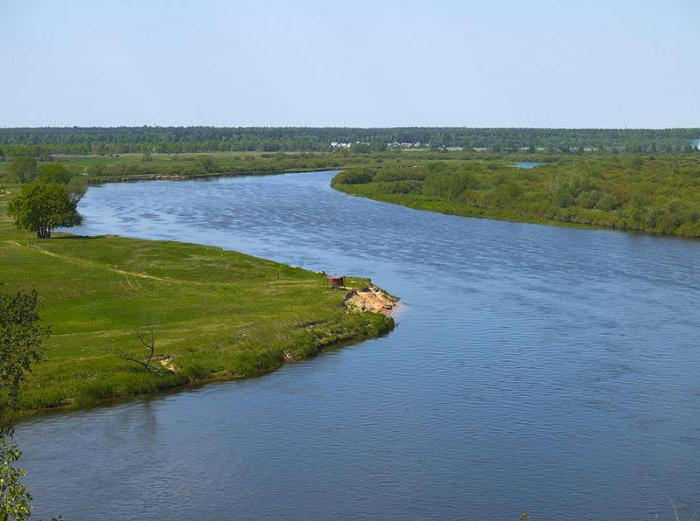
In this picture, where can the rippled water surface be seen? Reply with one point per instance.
(534, 368)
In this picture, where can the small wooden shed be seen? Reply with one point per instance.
(336, 281)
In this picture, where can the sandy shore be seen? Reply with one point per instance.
(370, 298)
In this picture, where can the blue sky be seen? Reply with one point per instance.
(535, 63)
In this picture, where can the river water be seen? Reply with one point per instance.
(527, 164)
(534, 368)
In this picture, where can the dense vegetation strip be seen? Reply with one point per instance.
(40, 142)
(214, 313)
(654, 194)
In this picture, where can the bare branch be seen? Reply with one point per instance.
(147, 338)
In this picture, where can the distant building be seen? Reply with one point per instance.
(404, 145)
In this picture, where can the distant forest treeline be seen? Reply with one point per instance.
(41, 142)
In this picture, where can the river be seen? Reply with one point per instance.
(534, 368)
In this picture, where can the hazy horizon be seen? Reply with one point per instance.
(544, 64)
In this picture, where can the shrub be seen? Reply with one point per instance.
(402, 187)
(451, 186)
(53, 173)
(355, 177)
(390, 176)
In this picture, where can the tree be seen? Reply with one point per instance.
(76, 188)
(21, 339)
(147, 338)
(53, 173)
(42, 207)
(15, 499)
(24, 168)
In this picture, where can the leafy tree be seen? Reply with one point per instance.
(21, 338)
(43, 207)
(76, 188)
(53, 173)
(24, 168)
(15, 499)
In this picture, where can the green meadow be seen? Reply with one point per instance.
(216, 314)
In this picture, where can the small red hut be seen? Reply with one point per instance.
(336, 281)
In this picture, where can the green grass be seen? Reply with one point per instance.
(218, 313)
(133, 167)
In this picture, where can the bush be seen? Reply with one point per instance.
(54, 173)
(355, 177)
(401, 187)
(451, 186)
(390, 176)
(24, 169)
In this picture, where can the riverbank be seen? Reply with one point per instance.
(206, 175)
(216, 314)
(657, 195)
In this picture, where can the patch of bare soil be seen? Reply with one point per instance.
(371, 298)
(166, 362)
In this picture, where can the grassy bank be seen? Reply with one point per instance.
(652, 194)
(216, 314)
(134, 167)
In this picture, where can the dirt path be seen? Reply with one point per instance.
(92, 264)
(113, 269)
